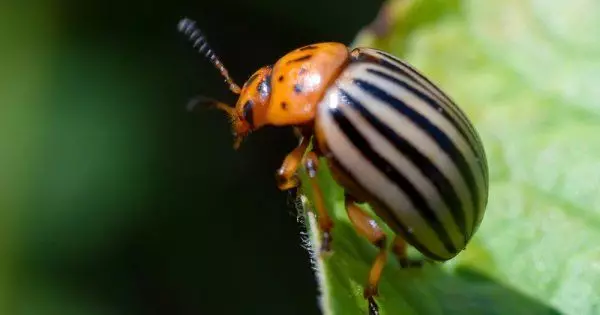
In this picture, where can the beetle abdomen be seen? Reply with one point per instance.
(410, 147)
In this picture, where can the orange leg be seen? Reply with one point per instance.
(367, 227)
(286, 175)
(311, 164)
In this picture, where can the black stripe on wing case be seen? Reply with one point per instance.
(428, 86)
(401, 229)
(433, 131)
(474, 140)
(427, 169)
(388, 170)
(393, 63)
(405, 69)
(435, 106)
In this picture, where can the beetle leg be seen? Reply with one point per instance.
(286, 175)
(367, 227)
(311, 164)
(399, 248)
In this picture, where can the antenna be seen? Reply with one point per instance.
(189, 28)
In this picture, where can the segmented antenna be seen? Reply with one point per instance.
(189, 28)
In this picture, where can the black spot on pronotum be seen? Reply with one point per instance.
(280, 79)
(309, 47)
(299, 59)
(302, 71)
(298, 88)
(248, 113)
(284, 105)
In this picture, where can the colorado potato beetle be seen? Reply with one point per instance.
(390, 136)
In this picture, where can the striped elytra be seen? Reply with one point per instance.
(409, 148)
(391, 137)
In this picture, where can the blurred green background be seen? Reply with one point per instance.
(113, 198)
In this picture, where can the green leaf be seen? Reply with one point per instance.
(526, 72)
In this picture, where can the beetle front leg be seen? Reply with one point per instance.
(311, 164)
(286, 175)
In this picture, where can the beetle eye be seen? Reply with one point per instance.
(247, 113)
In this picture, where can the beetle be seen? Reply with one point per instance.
(390, 136)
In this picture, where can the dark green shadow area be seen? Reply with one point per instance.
(123, 202)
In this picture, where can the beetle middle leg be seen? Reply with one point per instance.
(366, 226)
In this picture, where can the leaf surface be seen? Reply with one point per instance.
(526, 72)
